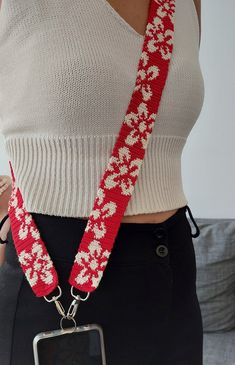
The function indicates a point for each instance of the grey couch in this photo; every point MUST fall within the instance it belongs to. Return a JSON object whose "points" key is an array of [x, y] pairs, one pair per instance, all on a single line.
{"points": [[215, 258]]}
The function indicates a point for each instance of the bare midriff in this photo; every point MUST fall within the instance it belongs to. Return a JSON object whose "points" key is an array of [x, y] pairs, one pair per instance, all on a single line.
{"points": [[158, 217]]}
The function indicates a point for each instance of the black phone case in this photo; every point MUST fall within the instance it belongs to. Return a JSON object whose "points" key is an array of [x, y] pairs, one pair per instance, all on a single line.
{"points": [[85, 346]]}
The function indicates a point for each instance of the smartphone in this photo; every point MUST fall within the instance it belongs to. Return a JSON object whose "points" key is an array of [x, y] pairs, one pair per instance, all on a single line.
{"points": [[84, 346]]}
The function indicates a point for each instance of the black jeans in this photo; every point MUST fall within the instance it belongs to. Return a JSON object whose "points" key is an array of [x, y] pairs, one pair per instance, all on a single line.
{"points": [[146, 301]]}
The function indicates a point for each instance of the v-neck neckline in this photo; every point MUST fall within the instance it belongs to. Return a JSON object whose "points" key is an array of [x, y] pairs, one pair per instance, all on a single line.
{"points": [[125, 23]]}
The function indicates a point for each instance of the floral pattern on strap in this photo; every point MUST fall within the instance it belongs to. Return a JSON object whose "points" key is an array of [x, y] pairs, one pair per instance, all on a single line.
{"points": [[117, 184]]}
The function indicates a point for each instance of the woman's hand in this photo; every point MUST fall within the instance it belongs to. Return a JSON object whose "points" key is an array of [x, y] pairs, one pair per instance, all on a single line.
{"points": [[5, 193]]}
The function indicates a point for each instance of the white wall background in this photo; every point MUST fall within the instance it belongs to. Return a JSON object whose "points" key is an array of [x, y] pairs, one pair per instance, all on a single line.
{"points": [[208, 160]]}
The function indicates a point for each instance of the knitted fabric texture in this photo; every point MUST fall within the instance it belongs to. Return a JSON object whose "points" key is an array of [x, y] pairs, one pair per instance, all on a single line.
{"points": [[119, 178], [67, 72]]}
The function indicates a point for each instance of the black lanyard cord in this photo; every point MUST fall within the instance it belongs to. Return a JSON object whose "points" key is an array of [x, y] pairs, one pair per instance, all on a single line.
{"points": [[197, 233], [1, 224]]}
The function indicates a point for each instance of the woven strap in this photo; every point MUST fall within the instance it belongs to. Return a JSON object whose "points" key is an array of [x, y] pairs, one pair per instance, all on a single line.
{"points": [[119, 178]]}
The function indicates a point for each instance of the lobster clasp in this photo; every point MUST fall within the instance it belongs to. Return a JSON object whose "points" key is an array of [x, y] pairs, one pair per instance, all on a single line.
{"points": [[73, 308]]}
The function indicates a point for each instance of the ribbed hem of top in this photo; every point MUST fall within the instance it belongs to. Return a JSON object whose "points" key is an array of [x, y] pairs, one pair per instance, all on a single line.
{"points": [[60, 175]]}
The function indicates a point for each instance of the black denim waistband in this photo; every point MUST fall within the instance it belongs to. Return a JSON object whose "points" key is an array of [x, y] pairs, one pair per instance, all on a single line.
{"points": [[52, 227], [124, 226], [167, 224], [127, 227]]}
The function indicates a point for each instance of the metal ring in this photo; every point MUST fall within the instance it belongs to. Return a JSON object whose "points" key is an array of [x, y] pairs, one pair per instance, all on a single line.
{"points": [[68, 330], [54, 297], [78, 296]]}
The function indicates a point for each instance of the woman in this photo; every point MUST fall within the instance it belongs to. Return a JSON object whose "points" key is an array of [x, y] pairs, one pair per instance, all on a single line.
{"points": [[5, 193], [69, 79]]}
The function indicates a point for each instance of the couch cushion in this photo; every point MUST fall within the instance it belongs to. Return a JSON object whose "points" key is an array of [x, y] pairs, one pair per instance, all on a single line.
{"points": [[219, 348], [215, 257]]}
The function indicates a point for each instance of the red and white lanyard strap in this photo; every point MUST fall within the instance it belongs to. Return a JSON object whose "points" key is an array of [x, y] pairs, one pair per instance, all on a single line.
{"points": [[119, 178]]}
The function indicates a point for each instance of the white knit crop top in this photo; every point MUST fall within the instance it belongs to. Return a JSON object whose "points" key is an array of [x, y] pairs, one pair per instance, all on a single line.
{"points": [[67, 72]]}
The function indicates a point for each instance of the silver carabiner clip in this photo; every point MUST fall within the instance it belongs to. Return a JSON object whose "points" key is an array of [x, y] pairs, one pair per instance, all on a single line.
{"points": [[75, 303], [60, 308], [78, 296], [54, 297], [58, 304], [73, 308]]}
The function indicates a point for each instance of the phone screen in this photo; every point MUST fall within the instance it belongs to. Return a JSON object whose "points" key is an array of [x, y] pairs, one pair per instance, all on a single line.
{"points": [[77, 348]]}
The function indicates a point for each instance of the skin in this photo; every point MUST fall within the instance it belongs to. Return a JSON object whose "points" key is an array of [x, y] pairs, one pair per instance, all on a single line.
{"points": [[135, 12], [4, 199], [198, 8]]}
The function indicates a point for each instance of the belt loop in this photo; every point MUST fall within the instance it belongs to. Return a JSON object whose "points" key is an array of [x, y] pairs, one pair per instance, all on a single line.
{"points": [[197, 233]]}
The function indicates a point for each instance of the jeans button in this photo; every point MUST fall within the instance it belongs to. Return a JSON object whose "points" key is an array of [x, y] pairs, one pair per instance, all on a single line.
{"points": [[160, 233], [162, 250]]}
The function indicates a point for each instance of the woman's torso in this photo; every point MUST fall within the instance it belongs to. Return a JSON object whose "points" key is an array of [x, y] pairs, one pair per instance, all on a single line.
{"points": [[60, 66], [135, 13]]}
